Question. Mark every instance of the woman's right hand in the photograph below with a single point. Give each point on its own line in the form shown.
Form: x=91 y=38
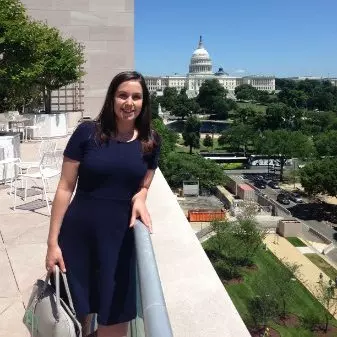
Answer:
x=54 y=256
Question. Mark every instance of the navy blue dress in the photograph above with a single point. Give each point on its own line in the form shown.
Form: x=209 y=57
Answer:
x=95 y=238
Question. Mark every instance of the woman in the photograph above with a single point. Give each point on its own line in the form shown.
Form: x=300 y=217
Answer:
x=113 y=159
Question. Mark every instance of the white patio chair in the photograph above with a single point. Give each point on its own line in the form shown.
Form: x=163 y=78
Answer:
x=46 y=146
x=50 y=167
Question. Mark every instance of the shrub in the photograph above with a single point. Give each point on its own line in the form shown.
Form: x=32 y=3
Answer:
x=225 y=270
x=311 y=321
x=212 y=253
x=263 y=308
x=207 y=141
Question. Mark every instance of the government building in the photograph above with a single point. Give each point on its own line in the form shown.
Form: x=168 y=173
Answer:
x=201 y=69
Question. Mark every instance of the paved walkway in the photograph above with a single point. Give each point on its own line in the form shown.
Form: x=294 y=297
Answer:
x=308 y=272
x=23 y=235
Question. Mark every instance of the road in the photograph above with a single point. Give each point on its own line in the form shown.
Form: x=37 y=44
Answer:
x=312 y=214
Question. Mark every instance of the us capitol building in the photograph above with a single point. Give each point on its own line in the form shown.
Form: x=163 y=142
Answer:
x=200 y=69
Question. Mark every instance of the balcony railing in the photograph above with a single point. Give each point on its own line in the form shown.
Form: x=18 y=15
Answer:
x=152 y=319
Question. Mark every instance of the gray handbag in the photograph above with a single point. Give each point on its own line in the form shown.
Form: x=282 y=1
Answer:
x=47 y=315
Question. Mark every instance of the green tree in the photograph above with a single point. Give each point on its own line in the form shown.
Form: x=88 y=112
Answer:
x=61 y=62
x=326 y=143
x=284 y=281
x=18 y=68
x=194 y=106
x=182 y=107
x=284 y=145
x=294 y=98
x=308 y=94
x=168 y=141
x=208 y=141
x=263 y=307
x=326 y=295
x=35 y=58
x=220 y=107
x=274 y=292
x=239 y=136
x=183 y=166
x=222 y=139
x=169 y=99
x=154 y=103
x=315 y=122
x=233 y=245
x=191 y=133
x=211 y=96
x=246 y=92
x=244 y=115
x=281 y=116
x=282 y=83
x=320 y=176
x=322 y=99
x=264 y=97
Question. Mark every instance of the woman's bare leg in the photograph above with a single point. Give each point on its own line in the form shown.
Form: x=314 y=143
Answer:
x=86 y=325
x=116 y=330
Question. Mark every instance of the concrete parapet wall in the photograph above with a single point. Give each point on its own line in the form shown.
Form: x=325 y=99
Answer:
x=320 y=235
x=224 y=196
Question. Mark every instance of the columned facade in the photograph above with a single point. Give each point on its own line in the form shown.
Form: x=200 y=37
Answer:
x=200 y=69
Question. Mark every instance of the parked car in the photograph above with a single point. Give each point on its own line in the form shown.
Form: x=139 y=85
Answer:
x=295 y=197
x=273 y=184
x=283 y=199
x=260 y=184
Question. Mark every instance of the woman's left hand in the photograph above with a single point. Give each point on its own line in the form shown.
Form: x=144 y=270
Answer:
x=139 y=210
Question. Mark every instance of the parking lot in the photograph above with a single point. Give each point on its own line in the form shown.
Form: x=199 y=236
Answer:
x=320 y=216
x=263 y=183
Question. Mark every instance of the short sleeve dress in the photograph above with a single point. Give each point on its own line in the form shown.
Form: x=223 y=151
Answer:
x=96 y=241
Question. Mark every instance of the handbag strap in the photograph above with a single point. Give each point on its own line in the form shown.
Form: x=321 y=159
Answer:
x=57 y=273
x=57 y=290
x=66 y=286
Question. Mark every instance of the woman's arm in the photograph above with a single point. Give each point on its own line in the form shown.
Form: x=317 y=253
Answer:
x=138 y=202
x=145 y=185
x=62 y=198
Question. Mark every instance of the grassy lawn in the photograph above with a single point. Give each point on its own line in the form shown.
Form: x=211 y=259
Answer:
x=296 y=242
x=323 y=265
x=257 y=107
x=301 y=304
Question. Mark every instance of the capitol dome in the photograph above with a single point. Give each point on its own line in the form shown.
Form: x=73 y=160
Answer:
x=201 y=62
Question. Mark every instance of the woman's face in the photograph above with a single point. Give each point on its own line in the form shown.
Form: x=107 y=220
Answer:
x=128 y=101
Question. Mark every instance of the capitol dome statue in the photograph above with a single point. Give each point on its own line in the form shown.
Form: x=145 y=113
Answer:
x=201 y=62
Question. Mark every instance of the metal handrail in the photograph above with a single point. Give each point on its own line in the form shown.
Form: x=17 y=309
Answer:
x=155 y=315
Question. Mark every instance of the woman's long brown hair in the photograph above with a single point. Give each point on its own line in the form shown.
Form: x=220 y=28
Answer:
x=106 y=125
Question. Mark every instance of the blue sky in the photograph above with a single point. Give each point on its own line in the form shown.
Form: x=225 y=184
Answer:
x=281 y=38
